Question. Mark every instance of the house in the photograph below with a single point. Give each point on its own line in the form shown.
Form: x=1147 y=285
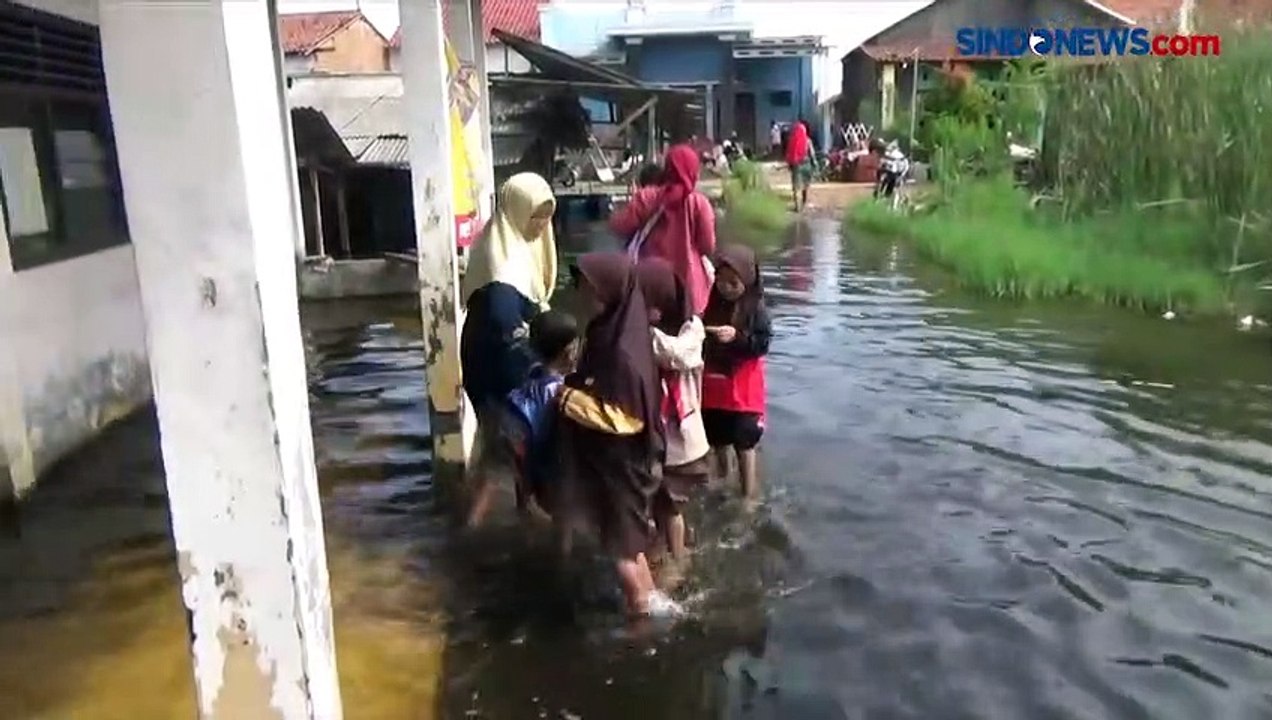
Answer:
x=519 y=17
x=355 y=176
x=331 y=42
x=752 y=63
x=881 y=77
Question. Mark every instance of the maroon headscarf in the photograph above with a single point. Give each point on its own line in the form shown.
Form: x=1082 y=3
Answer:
x=741 y=260
x=665 y=291
x=617 y=362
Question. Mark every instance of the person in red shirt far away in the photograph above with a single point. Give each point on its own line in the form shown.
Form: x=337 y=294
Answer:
x=799 y=158
x=738 y=334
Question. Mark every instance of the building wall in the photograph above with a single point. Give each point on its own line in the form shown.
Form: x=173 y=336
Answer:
x=356 y=48
x=941 y=19
x=297 y=64
x=767 y=76
x=74 y=339
x=683 y=60
x=579 y=28
x=499 y=58
x=72 y=344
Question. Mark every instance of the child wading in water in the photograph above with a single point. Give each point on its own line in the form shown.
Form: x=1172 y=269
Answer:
x=738 y=333
x=611 y=428
x=518 y=439
x=678 y=338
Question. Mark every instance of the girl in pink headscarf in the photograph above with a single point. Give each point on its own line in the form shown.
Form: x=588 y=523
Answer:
x=675 y=222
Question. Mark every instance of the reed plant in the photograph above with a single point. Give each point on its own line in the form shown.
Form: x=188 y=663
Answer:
x=1156 y=185
x=751 y=206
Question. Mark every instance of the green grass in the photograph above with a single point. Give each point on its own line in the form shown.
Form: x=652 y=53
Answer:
x=1157 y=176
x=986 y=232
x=752 y=209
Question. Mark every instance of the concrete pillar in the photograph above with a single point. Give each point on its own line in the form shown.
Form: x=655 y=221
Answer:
x=709 y=112
x=469 y=41
x=631 y=63
x=208 y=188
x=342 y=214
x=315 y=190
x=827 y=111
x=887 y=96
x=729 y=92
x=487 y=140
x=427 y=98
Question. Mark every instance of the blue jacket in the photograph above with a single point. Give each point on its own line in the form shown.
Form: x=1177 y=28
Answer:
x=535 y=402
x=494 y=349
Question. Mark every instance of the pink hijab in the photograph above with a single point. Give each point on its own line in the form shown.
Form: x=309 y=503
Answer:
x=686 y=232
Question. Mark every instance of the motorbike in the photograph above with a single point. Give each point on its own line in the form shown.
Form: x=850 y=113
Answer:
x=894 y=170
x=565 y=173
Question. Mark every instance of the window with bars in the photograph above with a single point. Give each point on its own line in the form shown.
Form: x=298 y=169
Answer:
x=59 y=178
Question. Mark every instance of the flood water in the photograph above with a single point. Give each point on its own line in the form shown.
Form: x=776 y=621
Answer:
x=976 y=510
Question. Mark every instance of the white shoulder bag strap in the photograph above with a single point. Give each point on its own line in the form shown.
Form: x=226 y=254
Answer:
x=638 y=240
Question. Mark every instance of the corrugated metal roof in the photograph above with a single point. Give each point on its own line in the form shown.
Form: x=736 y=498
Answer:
x=354 y=105
x=384 y=150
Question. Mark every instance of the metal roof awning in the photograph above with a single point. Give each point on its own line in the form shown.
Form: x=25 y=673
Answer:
x=804 y=46
x=531 y=85
x=557 y=65
x=720 y=27
x=316 y=141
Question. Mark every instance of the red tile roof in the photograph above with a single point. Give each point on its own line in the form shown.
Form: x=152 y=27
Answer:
x=302 y=32
x=1148 y=13
x=519 y=17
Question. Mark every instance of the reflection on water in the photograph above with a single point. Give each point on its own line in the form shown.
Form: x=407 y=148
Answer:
x=978 y=510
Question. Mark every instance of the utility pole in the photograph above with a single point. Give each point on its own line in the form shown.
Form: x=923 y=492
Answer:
x=914 y=100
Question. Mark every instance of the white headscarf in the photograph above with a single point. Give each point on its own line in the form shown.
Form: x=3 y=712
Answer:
x=504 y=254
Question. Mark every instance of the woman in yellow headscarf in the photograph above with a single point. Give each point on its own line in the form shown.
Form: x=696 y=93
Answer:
x=517 y=247
x=511 y=274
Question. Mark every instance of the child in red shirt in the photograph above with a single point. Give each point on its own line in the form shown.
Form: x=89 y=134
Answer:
x=738 y=334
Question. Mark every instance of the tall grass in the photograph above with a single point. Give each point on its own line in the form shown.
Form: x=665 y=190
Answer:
x=1190 y=131
x=751 y=206
x=988 y=234
x=1156 y=183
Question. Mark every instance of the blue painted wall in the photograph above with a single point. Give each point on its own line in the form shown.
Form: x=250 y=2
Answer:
x=683 y=60
x=768 y=75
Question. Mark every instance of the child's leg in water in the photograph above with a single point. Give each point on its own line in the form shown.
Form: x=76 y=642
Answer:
x=483 y=495
x=637 y=583
x=720 y=461
x=749 y=474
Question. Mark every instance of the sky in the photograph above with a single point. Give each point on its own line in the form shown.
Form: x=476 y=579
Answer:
x=382 y=13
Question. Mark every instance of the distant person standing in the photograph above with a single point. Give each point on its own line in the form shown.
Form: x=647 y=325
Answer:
x=799 y=158
x=775 y=139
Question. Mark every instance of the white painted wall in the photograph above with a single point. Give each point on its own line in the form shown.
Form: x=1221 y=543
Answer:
x=502 y=59
x=297 y=64
x=72 y=343
x=499 y=59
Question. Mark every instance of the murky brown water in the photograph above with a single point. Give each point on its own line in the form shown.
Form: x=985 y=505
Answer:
x=977 y=510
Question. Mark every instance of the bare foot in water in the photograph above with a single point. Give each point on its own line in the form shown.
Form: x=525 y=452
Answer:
x=671 y=573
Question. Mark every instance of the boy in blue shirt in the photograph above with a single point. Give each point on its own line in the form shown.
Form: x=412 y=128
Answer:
x=519 y=440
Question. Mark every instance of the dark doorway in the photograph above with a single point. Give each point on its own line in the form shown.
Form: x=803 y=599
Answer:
x=746 y=120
